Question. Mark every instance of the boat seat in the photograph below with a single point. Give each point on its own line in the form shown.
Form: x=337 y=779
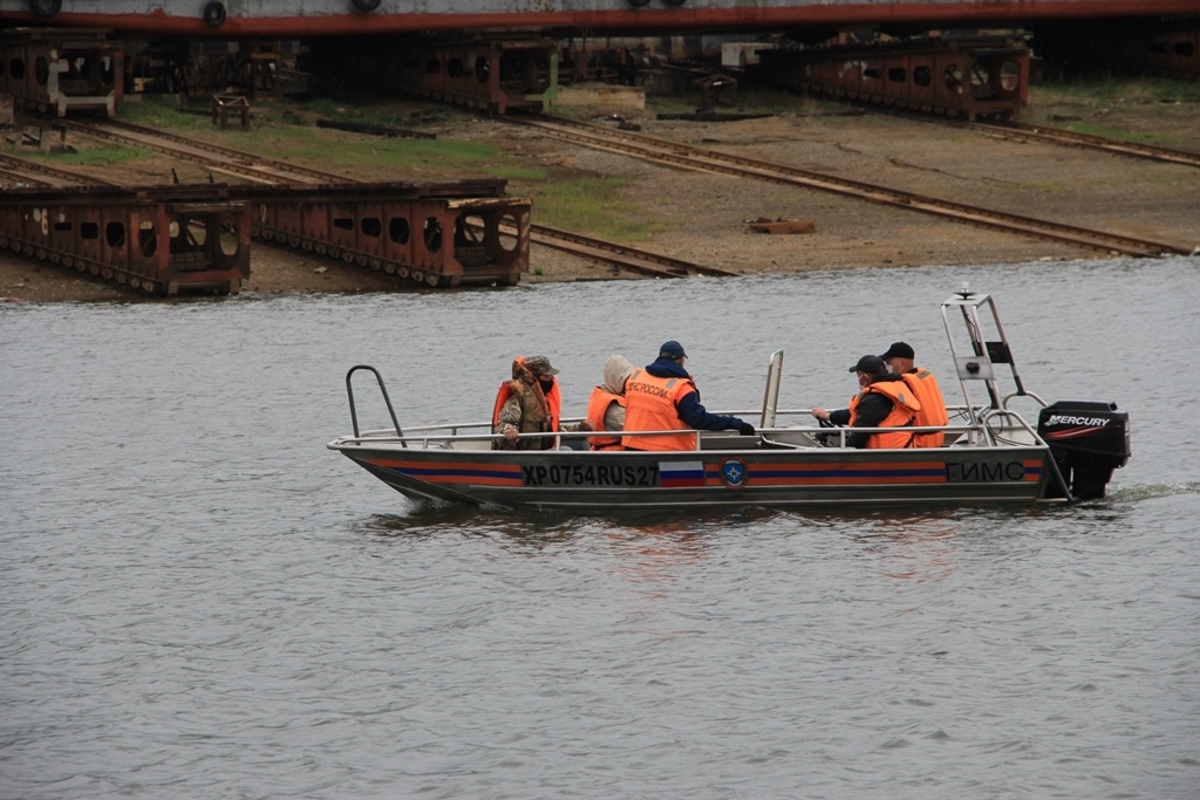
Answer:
x=468 y=444
x=734 y=442
x=795 y=438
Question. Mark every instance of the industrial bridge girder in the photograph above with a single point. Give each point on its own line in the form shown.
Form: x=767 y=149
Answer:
x=316 y=18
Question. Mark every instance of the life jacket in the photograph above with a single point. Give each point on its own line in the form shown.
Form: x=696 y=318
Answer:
x=933 y=407
x=598 y=405
x=904 y=409
x=650 y=405
x=540 y=410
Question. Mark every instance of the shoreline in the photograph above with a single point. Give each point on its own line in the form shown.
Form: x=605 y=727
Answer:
x=703 y=217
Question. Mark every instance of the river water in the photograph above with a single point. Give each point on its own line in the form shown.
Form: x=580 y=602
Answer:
x=199 y=600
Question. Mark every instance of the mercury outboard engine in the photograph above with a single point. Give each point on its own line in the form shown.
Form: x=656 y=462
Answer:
x=1088 y=440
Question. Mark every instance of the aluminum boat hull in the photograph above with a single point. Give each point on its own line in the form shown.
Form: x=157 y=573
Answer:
x=725 y=478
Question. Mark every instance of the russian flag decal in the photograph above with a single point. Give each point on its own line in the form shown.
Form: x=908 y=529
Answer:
x=674 y=474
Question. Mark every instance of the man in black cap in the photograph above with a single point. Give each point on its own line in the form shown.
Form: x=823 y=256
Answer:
x=663 y=397
x=884 y=402
x=899 y=358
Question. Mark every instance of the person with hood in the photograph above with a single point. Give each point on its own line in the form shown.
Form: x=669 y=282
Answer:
x=884 y=402
x=606 y=408
x=899 y=359
x=529 y=403
x=663 y=397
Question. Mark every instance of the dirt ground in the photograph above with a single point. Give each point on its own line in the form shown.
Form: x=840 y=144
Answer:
x=703 y=218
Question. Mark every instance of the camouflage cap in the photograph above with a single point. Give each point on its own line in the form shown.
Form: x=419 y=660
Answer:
x=540 y=365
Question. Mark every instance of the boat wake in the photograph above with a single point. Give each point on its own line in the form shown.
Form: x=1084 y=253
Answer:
x=1152 y=491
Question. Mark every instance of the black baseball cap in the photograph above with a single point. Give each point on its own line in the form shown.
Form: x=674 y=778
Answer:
x=872 y=365
x=899 y=350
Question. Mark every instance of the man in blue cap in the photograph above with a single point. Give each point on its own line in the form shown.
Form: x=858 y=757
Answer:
x=663 y=397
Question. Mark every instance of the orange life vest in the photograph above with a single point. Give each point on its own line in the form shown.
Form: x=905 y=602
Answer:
x=650 y=406
x=933 y=407
x=598 y=405
x=904 y=409
x=553 y=400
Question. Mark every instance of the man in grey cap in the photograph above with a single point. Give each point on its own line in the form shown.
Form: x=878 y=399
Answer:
x=663 y=397
x=884 y=402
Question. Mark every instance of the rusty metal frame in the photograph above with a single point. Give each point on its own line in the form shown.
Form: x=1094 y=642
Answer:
x=438 y=235
x=57 y=71
x=500 y=75
x=1170 y=47
x=968 y=78
x=116 y=233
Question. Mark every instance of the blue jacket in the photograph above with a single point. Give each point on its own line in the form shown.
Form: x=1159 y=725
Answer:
x=689 y=408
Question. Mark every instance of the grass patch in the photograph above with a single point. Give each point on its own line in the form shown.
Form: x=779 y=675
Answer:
x=160 y=112
x=402 y=117
x=470 y=159
x=285 y=125
x=1109 y=91
x=108 y=156
x=1093 y=98
x=590 y=204
x=1123 y=135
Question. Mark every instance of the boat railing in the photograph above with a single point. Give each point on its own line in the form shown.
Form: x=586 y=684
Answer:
x=835 y=437
x=447 y=435
x=982 y=429
x=1009 y=420
x=478 y=436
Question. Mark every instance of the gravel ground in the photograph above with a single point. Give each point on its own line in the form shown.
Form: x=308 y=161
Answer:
x=703 y=218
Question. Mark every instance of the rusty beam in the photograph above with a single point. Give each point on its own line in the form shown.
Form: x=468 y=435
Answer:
x=161 y=239
x=967 y=78
x=514 y=73
x=58 y=71
x=440 y=235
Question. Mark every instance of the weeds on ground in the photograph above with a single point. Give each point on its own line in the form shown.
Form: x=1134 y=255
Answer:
x=1094 y=97
x=107 y=156
x=283 y=128
x=165 y=111
x=590 y=204
x=1109 y=91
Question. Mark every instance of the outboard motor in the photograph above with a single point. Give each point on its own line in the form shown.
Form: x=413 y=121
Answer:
x=1088 y=440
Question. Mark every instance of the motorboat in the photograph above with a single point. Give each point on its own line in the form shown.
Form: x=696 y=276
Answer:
x=990 y=452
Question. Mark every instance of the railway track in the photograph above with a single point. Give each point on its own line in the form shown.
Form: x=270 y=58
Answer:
x=218 y=158
x=33 y=172
x=624 y=256
x=1034 y=133
x=661 y=151
x=273 y=172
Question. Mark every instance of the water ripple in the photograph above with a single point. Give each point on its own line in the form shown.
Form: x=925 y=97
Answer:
x=201 y=601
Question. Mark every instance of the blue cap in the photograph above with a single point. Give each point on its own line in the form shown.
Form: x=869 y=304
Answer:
x=672 y=350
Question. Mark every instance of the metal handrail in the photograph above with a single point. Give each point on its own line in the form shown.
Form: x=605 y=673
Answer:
x=374 y=436
x=1058 y=476
x=386 y=399
x=1022 y=393
x=431 y=435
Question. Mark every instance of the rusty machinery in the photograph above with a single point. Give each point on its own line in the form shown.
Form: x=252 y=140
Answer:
x=1170 y=48
x=57 y=71
x=968 y=78
x=439 y=235
x=497 y=75
x=160 y=239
